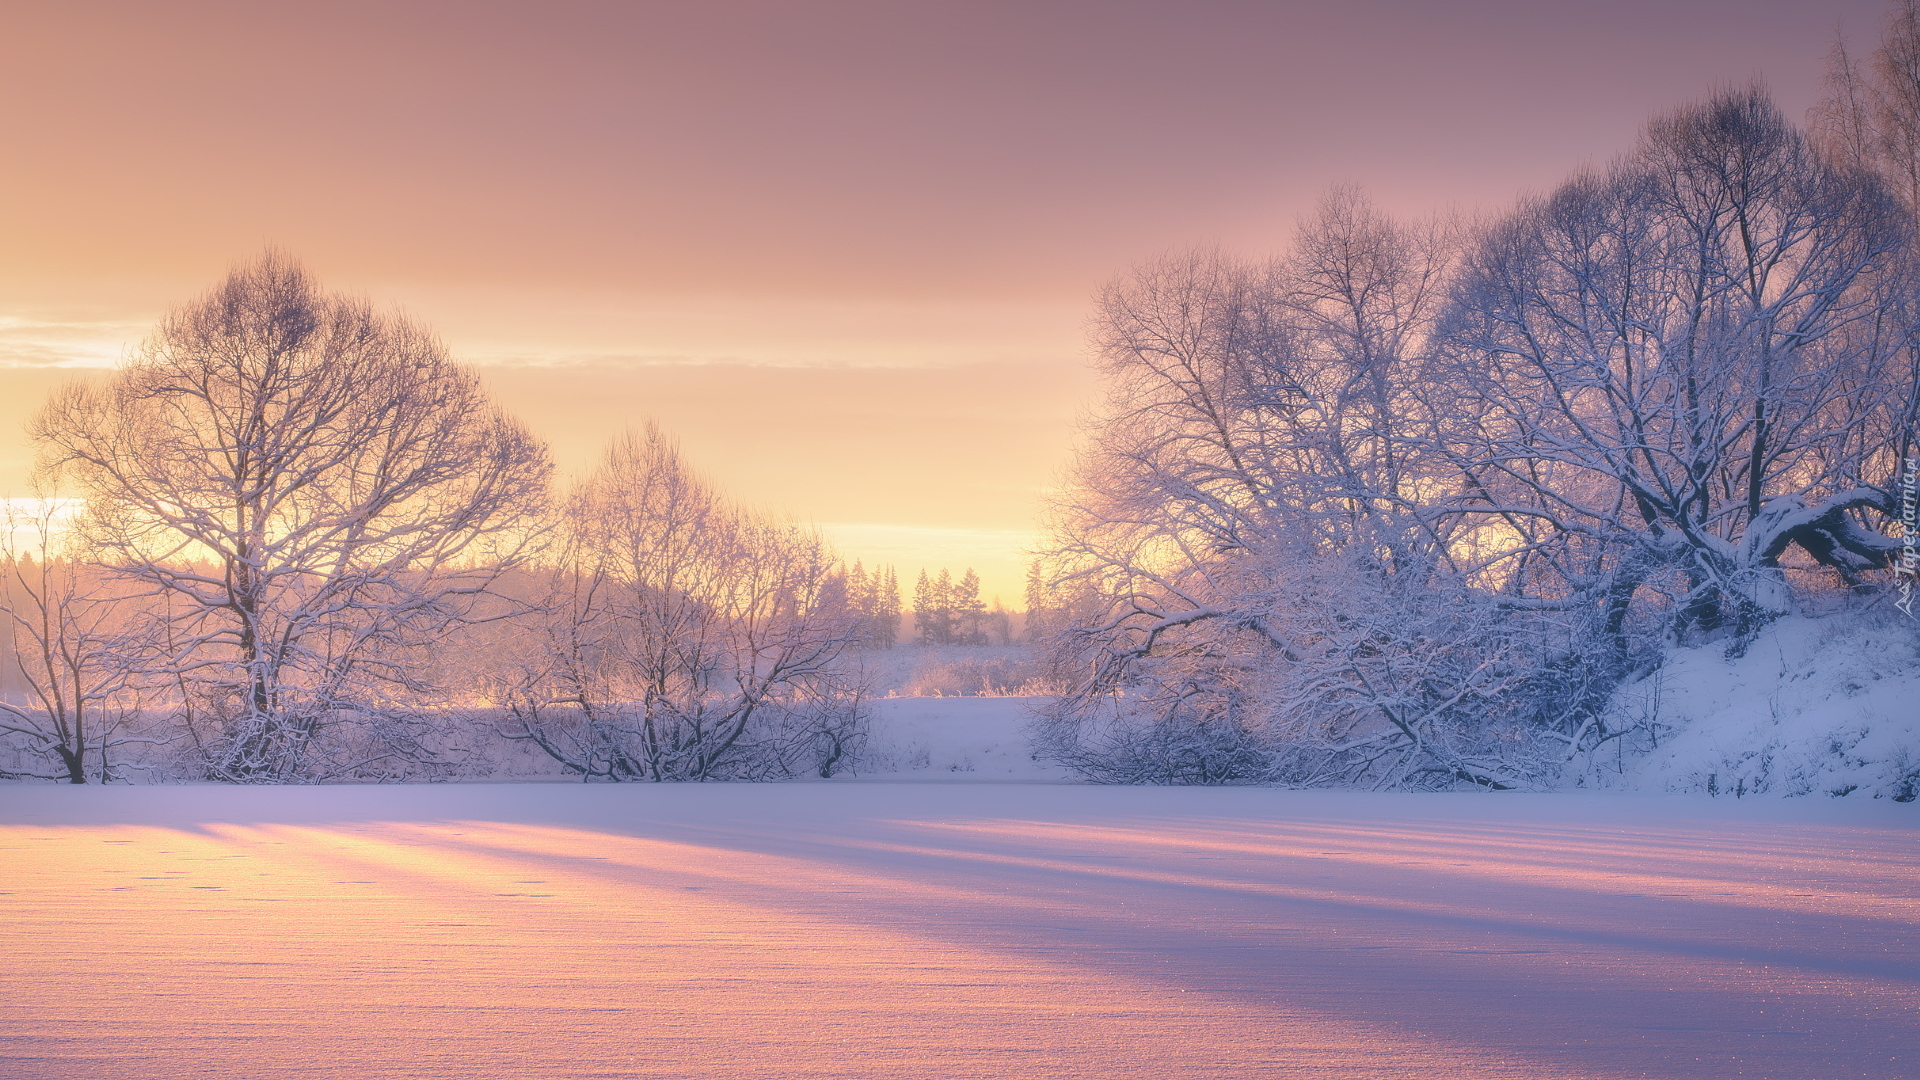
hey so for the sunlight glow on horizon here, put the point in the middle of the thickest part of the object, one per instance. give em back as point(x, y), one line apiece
point(999, 556)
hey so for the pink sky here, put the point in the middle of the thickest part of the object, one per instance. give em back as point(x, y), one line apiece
point(853, 234)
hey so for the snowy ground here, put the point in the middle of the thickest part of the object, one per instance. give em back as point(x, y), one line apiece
point(974, 738)
point(1815, 707)
point(949, 930)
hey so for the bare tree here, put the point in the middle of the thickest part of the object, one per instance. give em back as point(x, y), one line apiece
point(311, 491)
point(1869, 121)
point(1368, 515)
point(71, 647)
point(1265, 425)
point(1869, 118)
point(687, 638)
point(1673, 361)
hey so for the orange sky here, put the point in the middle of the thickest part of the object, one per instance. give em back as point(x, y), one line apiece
point(843, 249)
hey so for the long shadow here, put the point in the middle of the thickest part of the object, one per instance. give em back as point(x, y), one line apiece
point(906, 864)
point(1558, 987)
point(1581, 978)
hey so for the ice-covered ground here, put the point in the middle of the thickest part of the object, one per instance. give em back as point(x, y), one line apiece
point(949, 930)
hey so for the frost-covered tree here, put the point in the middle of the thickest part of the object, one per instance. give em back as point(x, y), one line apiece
point(949, 612)
point(311, 491)
point(1869, 117)
point(875, 598)
point(1386, 511)
point(69, 636)
point(686, 638)
point(1869, 121)
point(1268, 425)
point(969, 611)
point(1673, 363)
point(883, 611)
point(933, 608)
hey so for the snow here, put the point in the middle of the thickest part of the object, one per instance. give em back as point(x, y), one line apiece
point(976, 737)
point(951, 930)
point(1815, 707)
point(945, 671)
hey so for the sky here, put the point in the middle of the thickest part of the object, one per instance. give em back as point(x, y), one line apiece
point(843, 250)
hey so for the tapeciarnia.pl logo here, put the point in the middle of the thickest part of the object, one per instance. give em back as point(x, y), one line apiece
point(1908, 568)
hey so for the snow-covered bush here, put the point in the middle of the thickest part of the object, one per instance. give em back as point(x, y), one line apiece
point(977, 672)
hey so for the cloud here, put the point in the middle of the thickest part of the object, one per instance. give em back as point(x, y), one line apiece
point(27, 342)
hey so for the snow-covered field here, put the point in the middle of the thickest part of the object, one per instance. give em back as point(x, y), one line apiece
point(931, 930)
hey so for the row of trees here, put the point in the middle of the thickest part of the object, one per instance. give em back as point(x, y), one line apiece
point(308, 538)
point(1403, 506)
point(875, 597)
point(949, 612)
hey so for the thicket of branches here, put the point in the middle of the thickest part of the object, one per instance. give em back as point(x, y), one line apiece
point(1403, 506)
point(682, 637)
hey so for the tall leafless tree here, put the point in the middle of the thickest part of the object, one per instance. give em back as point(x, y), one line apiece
point(1270, 428)
point(1869, 117)
point(1869, 120)
point(311, 490)
point(1674, 359)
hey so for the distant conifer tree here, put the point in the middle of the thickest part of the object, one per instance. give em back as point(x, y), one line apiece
point(885, 611)
point(969, 614)
point(933, 611)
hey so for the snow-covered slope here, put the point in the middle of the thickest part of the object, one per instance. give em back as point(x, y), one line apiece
point(1826, 706)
